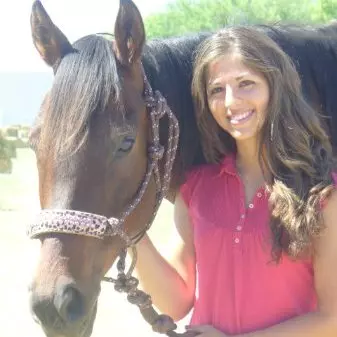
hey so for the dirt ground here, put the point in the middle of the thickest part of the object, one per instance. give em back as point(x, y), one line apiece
point(19, 201)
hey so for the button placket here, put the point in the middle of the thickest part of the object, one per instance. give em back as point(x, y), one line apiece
point(237, 230)
point(237, 235)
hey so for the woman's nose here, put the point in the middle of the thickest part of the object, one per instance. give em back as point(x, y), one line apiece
point(230, 96)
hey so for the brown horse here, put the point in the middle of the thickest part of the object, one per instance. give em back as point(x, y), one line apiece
point(102, 170)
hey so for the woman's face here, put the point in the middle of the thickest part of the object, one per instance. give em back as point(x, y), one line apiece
point(237, 97)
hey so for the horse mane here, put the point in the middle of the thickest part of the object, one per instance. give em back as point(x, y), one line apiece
point(168, 64)
point(86, 81)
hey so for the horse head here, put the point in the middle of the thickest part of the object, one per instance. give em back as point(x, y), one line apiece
point(99, 164)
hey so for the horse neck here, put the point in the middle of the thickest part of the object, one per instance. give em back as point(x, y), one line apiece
point(168, 64)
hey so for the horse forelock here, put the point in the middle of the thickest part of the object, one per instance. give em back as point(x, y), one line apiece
point(86, 81)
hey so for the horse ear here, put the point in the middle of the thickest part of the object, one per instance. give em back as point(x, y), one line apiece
point(49, 41)
point(129, 33)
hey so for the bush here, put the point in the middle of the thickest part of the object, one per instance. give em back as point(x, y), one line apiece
point(12, 132)
point(19, 143)
point(6, 151)
point(11, 148)
point(7, 148)
point(6, 165)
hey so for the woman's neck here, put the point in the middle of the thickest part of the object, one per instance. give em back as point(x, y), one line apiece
point(247, 156)
point(247, 161)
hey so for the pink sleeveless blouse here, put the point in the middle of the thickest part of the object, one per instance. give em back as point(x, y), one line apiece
point(239, 288)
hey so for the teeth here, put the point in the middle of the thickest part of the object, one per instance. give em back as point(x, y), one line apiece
point(238, 118)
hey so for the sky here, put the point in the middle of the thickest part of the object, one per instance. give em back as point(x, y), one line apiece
point(75, 18)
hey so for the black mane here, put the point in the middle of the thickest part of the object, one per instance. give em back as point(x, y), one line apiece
point(85, 81)
point(168, 64)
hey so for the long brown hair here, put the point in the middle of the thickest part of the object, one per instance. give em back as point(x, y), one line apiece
point(296, 149)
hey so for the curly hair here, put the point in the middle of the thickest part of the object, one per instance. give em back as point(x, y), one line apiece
point(294, 147)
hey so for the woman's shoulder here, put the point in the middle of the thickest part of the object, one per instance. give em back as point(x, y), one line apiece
point(195, 177)
point(203, 174)
point(192, 178)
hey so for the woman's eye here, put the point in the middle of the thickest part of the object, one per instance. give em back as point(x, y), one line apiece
point(126, 144)
point(246, 83)
point(216, 90)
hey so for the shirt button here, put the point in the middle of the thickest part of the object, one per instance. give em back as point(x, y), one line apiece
point(237, 240)
point(251, 206)
point(242, 216)
point(239, 228)
point(259, 195)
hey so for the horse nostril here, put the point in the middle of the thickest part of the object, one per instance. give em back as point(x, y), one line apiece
point(69, 304)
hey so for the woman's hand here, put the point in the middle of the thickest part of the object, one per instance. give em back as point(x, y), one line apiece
point(205, 331)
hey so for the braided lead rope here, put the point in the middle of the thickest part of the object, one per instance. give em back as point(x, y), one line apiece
point(128, 284)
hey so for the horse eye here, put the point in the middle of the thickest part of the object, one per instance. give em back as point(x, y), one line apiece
point(126, 144)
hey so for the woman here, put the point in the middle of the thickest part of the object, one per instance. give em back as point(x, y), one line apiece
point(258, 252)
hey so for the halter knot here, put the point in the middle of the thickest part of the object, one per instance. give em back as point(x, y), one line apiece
point(160, 106)
point(126, 285)
point(156, 152)
point(150, 101)
point(163, 324)
point(140, 298)
point(157, 103)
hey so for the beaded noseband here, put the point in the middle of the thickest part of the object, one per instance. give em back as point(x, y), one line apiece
point(98, 226)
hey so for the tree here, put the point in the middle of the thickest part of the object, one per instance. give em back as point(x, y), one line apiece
point(5, 157)
point(185, 16)
point(329, 10)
